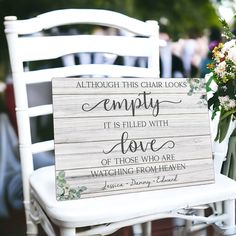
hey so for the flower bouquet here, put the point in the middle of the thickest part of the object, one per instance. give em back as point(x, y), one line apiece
point(222, 82)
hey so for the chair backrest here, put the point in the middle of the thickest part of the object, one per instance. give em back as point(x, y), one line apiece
point(30, 40)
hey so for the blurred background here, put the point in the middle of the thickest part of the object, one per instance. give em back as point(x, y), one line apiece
point(181, 19)
point(190, 28)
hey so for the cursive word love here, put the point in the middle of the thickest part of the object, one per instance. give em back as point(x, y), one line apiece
point(142, 101)
point(132, 145)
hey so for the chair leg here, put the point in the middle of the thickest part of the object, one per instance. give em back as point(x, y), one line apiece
point(137, 230)
point(147, 228)
point(67, 232)
point(187, 227)
point(229, 207)
point(229, 225)
point(31, 227)
point(181, 227)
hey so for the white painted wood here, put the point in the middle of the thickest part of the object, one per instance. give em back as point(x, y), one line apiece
point(230, 210)
point(23, 48)
point(78, 16)
point(43, 146)
point(20, 95)
point(92, 129)
point(91, 212)
point(70, 105)
point(86, 212)
point(147, 228)
point(67, 232)
point(50, 47)
point(194, 174)
point(46, 75)
point(137, 229)
point(114, 85)
point(40, 110)
point(119, 130)
point(67, 153)
point(154, 59)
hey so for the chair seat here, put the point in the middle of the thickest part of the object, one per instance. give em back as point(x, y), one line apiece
point(99, 210)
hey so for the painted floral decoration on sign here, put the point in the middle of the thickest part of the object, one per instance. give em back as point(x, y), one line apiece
point(222, 82)
point(64, 191)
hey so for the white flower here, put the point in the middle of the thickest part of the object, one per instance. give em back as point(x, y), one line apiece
point(227, 103)
point(224, 99)
point(232, 54)
point(232, 103)
point(224, 88)
point(220, 69)
point(228, 45)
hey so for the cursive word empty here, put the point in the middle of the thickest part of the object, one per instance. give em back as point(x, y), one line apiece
point(143, 101)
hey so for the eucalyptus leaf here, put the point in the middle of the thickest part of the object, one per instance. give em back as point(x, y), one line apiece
point(223, 128)
point(61, 174)
point(218, 133)
point(190, 93)
point(209, 81)
point(72, 190)
point(60, 191)
point(59, 184)
point(226, 114)
point(65, 191)
point(83, 188)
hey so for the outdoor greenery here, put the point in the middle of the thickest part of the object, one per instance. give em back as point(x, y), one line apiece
point(180, 17)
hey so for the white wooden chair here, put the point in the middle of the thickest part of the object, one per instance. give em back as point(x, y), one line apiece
point(103, 215)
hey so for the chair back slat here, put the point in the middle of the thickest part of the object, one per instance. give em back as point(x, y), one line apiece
point(40, 110)
point(46, 75)
point(42, 48)
point(42, 146)
point(79, 16)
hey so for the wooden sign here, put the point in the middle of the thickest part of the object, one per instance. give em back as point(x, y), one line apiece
point(122, 135)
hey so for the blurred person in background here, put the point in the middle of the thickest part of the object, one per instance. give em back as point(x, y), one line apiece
point(214, 40)
point(171, 65)
point(193, 50)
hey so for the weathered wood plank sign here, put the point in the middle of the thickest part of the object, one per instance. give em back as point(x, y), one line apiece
point(121, 135)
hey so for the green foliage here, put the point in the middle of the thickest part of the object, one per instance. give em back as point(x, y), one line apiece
point(185, 17)
point(64, 191)
point(228, 35)
point(196, 85)
point(223, 125)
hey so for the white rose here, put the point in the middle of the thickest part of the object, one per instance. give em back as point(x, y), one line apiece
point(232, 103)
point(228, 45)
point(232, 54)
point(224, 99)
point(220, 69)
